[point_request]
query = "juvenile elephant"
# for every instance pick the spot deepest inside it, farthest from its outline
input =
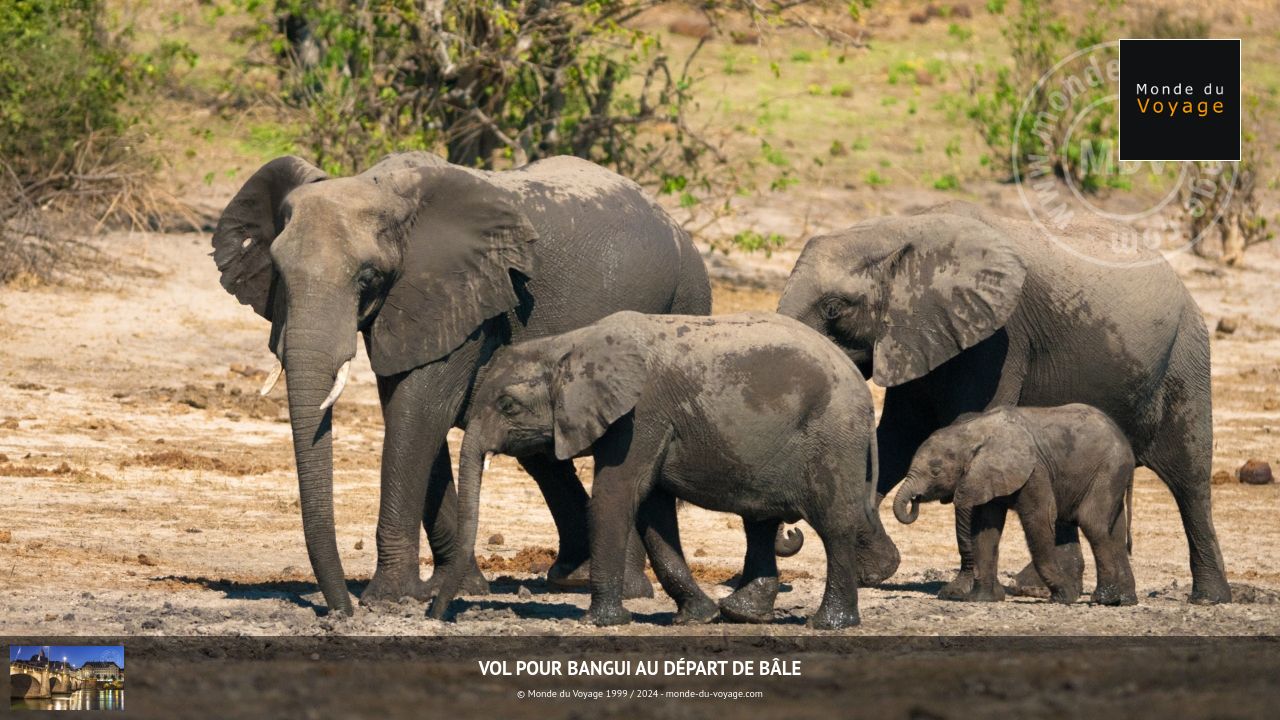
(956, 310)
(1065, 466)
(753, 414)
(437, 265)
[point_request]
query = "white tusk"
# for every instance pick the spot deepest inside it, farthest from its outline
(487, 457)
(272, 379)
(339, 383)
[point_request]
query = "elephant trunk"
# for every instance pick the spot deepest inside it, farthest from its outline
(471, 466)
(787, 543)
(313, 452)
(907, 494)
(315, 356)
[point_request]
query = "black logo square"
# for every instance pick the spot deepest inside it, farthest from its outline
(1180, 100)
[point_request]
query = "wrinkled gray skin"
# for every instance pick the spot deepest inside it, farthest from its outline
(437, 265)
(1059, 468)
(753, 414)
(956, 310)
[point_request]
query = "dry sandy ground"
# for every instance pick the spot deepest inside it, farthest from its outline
(148, 490)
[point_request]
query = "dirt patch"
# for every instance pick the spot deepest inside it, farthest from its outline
(535, 560)
(182, 460)
(232, 400)
(62, 470)
(1253, 595)
(33, 471)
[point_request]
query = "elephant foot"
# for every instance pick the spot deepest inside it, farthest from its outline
(568, 575)
(387, 588)
(1064, 596)
(573, 576)
(607, 615)
(959, 588)
(877, 562)
(1111, 595)
(751, 603)
(1027, 583)
(384, 588)
(986, 593)
(830, 619)
(1210, 593)
(698, 610)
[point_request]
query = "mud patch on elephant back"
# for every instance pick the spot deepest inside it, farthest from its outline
(182, 460)
(774, 377)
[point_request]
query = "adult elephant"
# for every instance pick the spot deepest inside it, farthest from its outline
(436, 265)
(956, 310)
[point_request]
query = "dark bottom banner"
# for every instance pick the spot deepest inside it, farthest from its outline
(603, 677)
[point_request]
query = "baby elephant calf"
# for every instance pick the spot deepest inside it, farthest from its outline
(754, 414)
(1062, 466)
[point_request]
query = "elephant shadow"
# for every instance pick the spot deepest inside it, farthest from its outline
(534, 609)
(523, 609)
(291, 591)
(928, 587)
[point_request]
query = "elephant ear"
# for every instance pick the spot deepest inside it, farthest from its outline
(1002, 464)
(594, 384)
(953, 282)
(466, 248)
(242, 240)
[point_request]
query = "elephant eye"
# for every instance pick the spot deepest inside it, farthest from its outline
(508, 405)
(368, 278)
(833, 308)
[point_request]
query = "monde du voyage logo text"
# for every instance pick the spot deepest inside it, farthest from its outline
(1180, 100)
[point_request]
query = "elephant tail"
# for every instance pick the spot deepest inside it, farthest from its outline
(788, 542)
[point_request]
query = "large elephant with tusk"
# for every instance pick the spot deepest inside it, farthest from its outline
(435, 266)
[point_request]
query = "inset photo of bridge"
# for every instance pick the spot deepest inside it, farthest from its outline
(66, 677)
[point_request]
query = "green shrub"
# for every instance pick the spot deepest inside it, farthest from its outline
(62, 77)
(68, 153)
(1038, 39)
(482, 83)
(946, 182)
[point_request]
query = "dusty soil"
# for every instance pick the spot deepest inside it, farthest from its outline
(149, 490)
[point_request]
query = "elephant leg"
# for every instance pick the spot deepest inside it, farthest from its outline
(1186, 471)
(988, 524)
(442, 502)
(1108, 538)
(567, 501)
(1070, 557)
(839, 607)
(626, 460)
(419, 408)
(1037, 512)
(752, 602)
(962, 585)
(661, 534)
